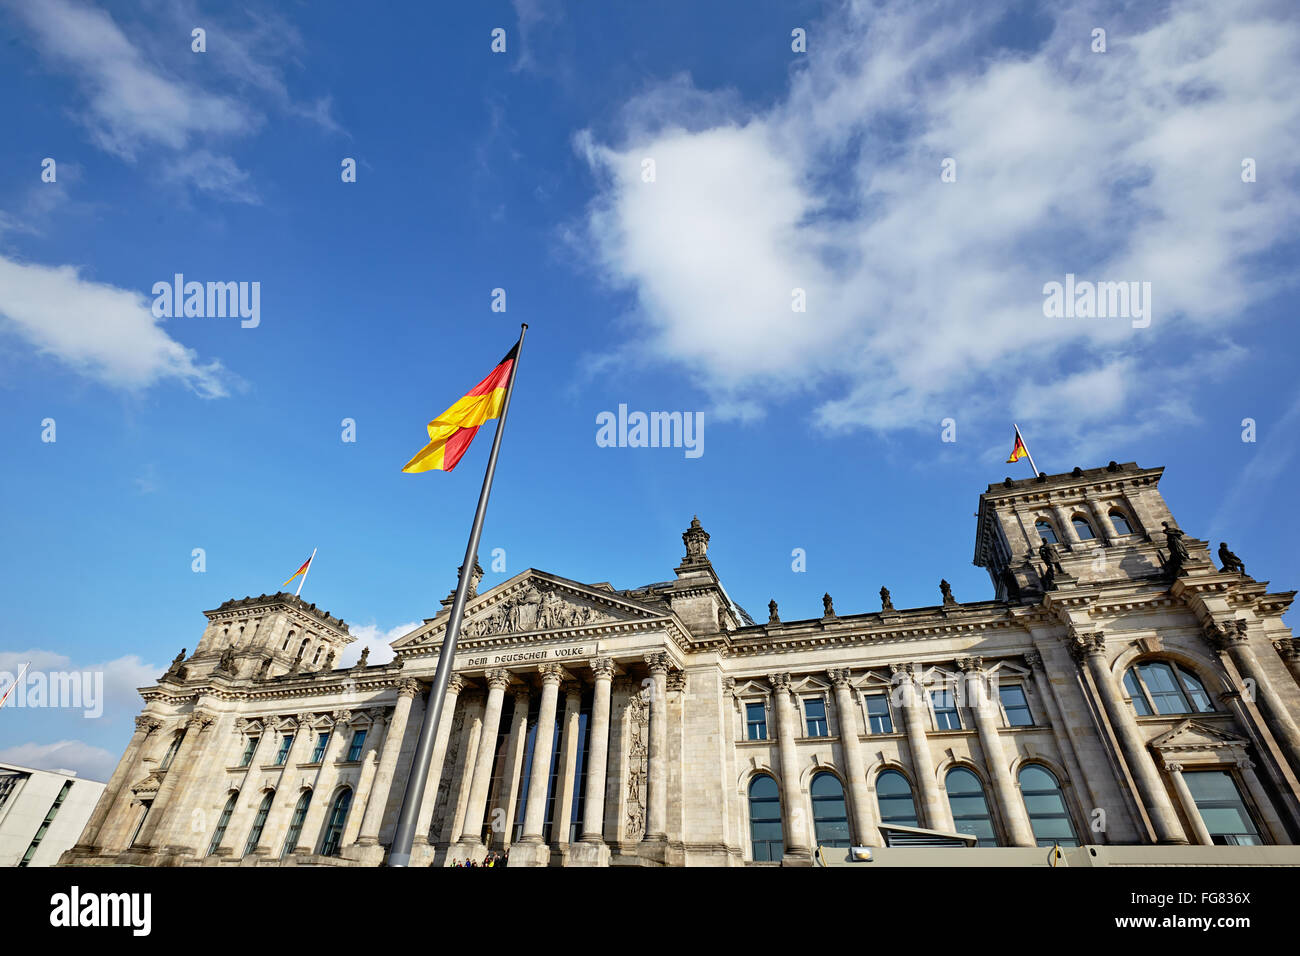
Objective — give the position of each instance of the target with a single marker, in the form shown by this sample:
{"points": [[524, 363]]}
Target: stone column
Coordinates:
{"points": [[455, 685], [366, 779], [162, 811], [1105, 531], [472, 826], [1288, 648], [1057, 720], [1272, 822], [983, 710], [250, 795], [1175, 771], [322, 791], [798, 843], [532, 850], [934, 807], [374, 815], [568, 778], [598, 752], [126, 768], [846, 713], [656, 827], [511, 774], [286, 794], [1232, 640], [1089, 651], [1068, 534]]}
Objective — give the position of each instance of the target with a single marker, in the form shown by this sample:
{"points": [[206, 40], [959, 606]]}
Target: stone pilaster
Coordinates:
{"points": [[592, 851], [934, 807], [860, 803], [656, 830], [532, 850], [798, 843], [1232, 639], [145, 725], [1190, 811], [983, 709], [374, 813]]}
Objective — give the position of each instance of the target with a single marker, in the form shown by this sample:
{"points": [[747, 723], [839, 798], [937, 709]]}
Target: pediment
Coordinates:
{"points": [[1195, 735], [534, 602], [148, 785]]}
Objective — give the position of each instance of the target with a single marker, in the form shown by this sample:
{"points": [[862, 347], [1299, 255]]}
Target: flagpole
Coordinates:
{"points": [[1026, 447], [17, 681], [313, 558], [399, 853]]}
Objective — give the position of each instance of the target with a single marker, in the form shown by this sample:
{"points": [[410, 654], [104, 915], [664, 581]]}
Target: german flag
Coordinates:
{"points": [[452, 431], [302, 570], [1019, 451]]}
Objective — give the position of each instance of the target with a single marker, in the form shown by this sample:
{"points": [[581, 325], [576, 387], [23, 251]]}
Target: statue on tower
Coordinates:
{"points": [[828, 606], [1051, 557], [1229, 560], [885, 603], [1178, 553], [227, 663], [365, 656], [772, 616], [946, 590], [696, 540]]}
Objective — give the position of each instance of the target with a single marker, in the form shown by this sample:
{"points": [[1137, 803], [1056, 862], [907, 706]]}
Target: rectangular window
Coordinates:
{"points": [[250, 747], [1222, 809], [878, 719], [318, 753], [1016, 706], [354, 749], [814, 711], [756, 721], [281, 755], [945, 710]]}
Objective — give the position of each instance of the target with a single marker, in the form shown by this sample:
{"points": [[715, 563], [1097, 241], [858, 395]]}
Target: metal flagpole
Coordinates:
{"points": [[313, 558], [17, 681], [400, 852], [1026, 447]]}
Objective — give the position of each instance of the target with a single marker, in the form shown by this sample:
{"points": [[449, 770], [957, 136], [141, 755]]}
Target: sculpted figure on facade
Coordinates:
{"points": [[1229, 560]]}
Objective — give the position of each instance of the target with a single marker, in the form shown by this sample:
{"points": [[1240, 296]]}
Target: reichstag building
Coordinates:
{"points": [[1127, 694]]}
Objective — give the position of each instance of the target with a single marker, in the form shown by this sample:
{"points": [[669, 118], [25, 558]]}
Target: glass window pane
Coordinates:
{"points": [[1083, 529], [1120, 522], [1046, 532], [1135, 692]]}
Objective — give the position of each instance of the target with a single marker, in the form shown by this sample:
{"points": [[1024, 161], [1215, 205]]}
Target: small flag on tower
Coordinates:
{"points": [[1019, 451], [302, 570]]}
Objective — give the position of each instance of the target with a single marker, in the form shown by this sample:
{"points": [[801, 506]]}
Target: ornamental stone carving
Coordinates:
{"points": [[1083, 644], [535, 608], [551, 673], [780, 682], [408, 688], [659, 663], [498, 677], [147, 724], [839, 676], [603, 668], [1034, 660]]}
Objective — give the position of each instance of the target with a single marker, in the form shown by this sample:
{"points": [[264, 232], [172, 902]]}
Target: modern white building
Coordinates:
{"points": [[42, 812]]}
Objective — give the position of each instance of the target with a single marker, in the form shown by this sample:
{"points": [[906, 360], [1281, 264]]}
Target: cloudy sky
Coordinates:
{"points": [[826, 251]]}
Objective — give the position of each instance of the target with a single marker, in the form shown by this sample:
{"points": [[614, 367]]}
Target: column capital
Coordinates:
{"points": [[780, 682], [1173, 766], [603, 668], [341, 717], [200, 720], [677, 681], [839, 676], [304, 719], [660, 663], [408, 688], [904, 672], [147, 723], [1223, 635], [1034, 660], [969, 665], [1245, 763], [1288, 648], [497, 678], [1084, 644], [455, 684], [551, 673]]}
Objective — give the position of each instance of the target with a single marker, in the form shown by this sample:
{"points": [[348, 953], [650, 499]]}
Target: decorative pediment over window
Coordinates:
{"points": [[147, 787], [1194, 741], [529, 603]]}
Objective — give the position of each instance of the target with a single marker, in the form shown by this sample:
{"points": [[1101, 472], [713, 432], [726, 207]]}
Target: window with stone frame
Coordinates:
{"points": [[879, 720], [944, 704], [358, 741], [1119, 521], [755, 720], [1046, 531], [318, 751], [250, 748], [814, 712], [1165, 688], [1015, 705], [1083, 528], [281, 755]]}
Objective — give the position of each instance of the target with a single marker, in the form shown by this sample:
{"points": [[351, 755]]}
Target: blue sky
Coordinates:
{"points": [[523, 170]]}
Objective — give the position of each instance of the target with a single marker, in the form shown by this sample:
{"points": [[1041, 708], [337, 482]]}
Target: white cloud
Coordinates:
{"points": [[369, 635], [89, 762], [926, 296], [104, 332]]}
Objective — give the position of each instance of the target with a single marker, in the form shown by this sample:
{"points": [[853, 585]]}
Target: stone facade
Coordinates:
{"points": [[1120, 690]]}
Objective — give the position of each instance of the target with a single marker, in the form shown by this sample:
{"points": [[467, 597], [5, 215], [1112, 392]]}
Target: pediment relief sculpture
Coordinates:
{"points": [[534, 608]]}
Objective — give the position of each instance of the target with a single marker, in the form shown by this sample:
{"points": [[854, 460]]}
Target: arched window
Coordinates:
{"points": [[295, 824], [222, 822], [1119, 522], [1046, 805], [287, 639], [259, 821], [830, 815], [302, 648], [894, 797], [1046, 531], [316, 657], [174, 746], [1082, 528], [1162, 687], [970, 811], [333, 840], [765, 819]]}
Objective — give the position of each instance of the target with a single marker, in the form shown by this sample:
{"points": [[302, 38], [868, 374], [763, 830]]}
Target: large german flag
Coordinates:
{"points": [[452, 431]]}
